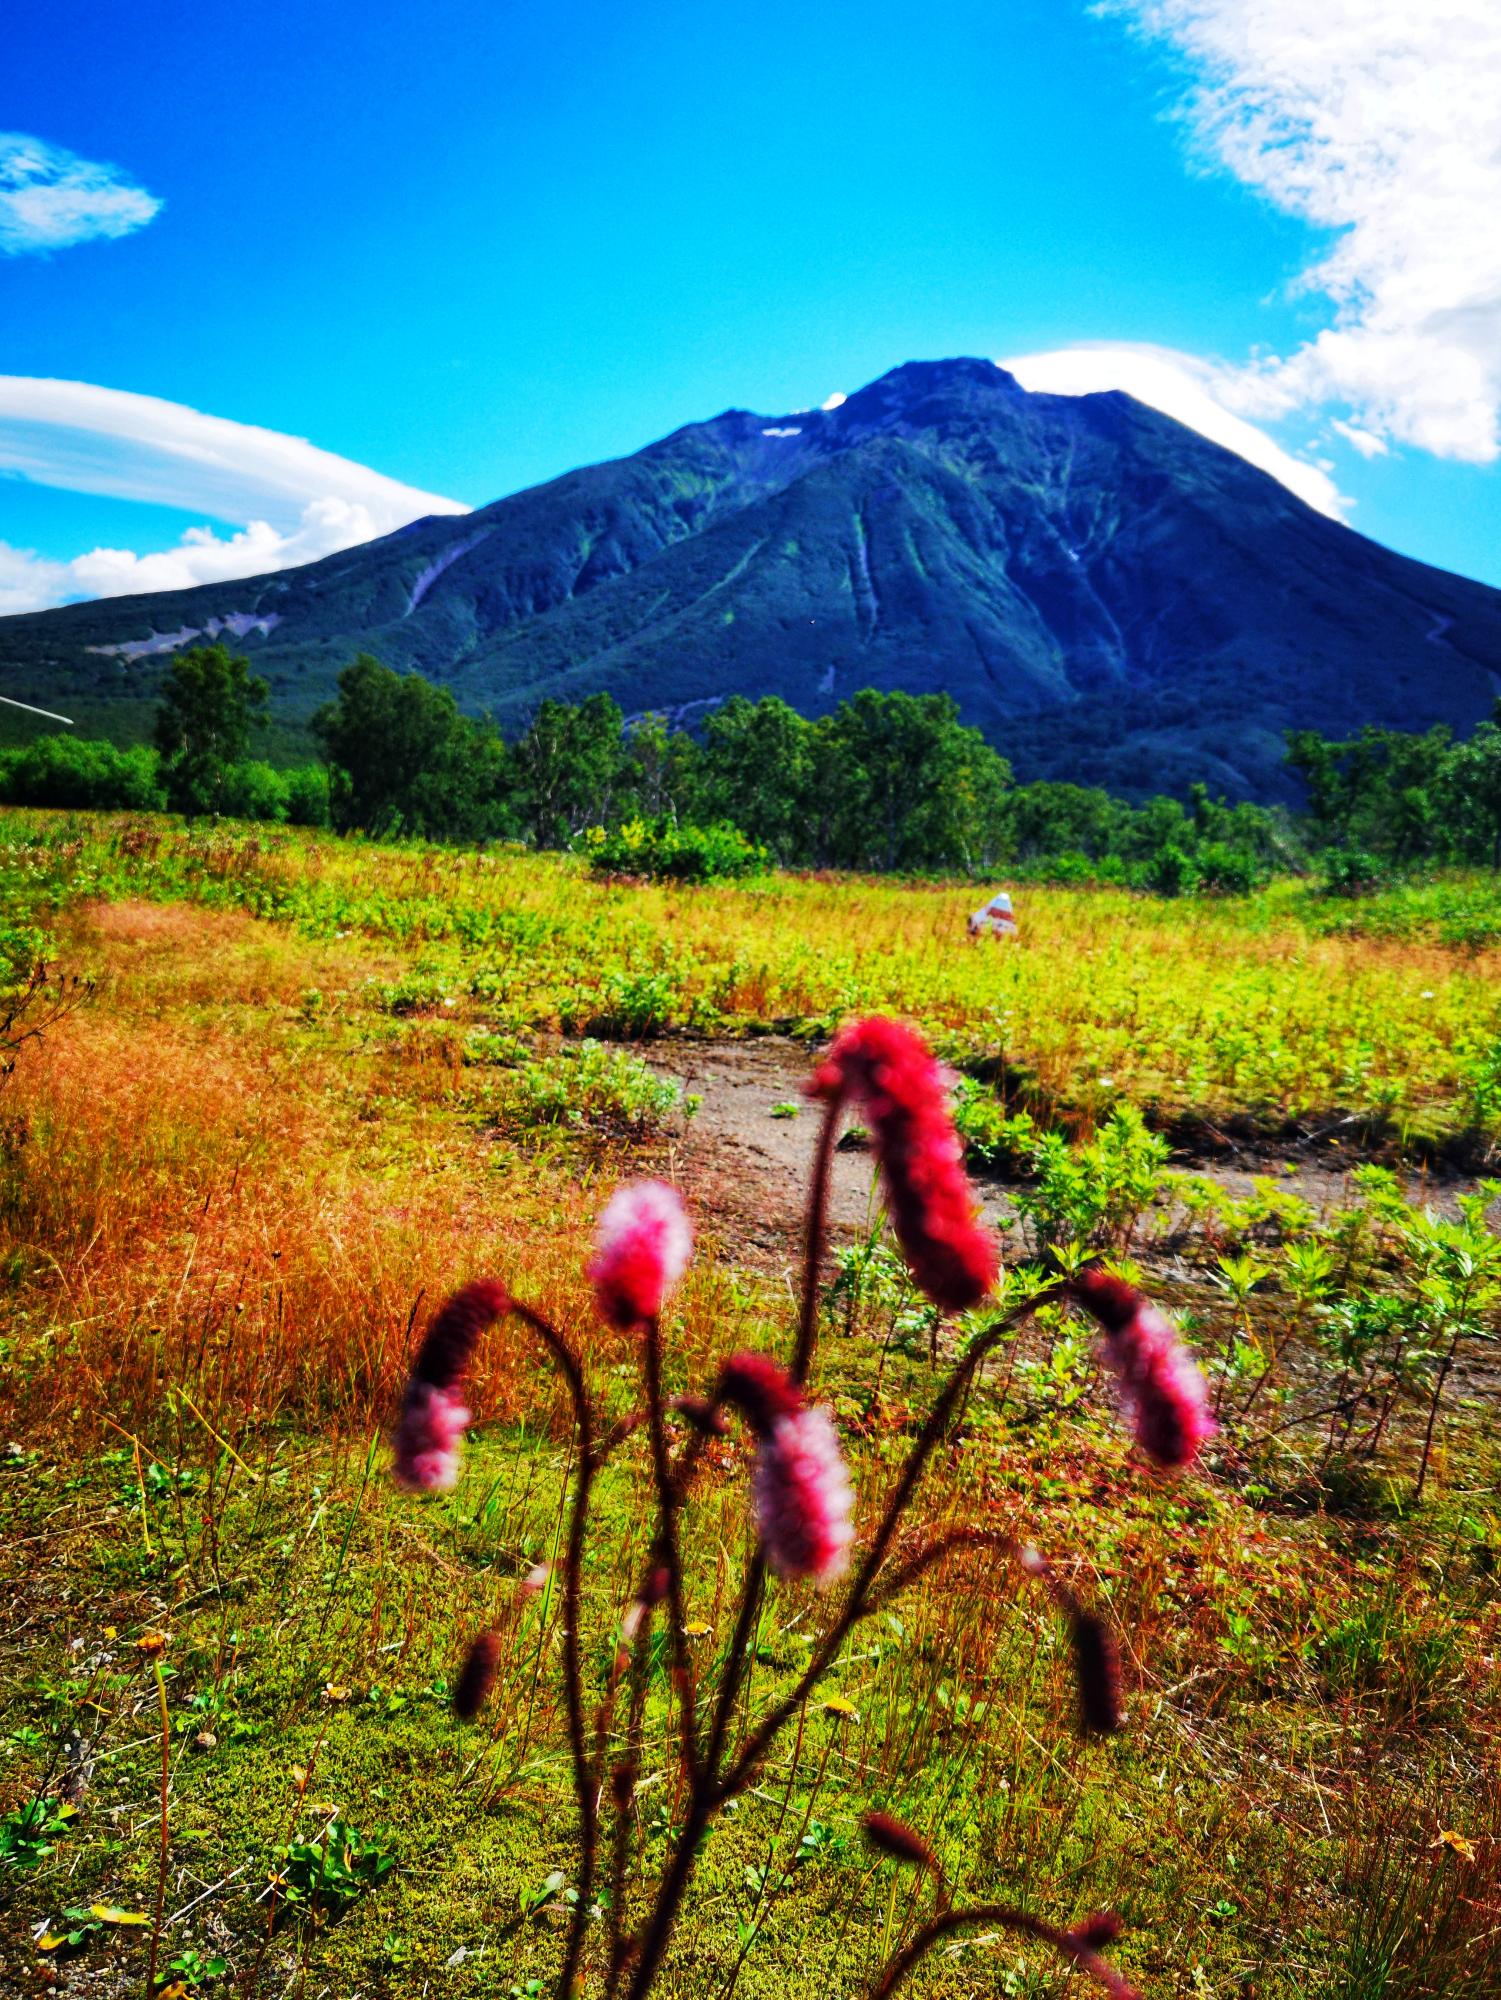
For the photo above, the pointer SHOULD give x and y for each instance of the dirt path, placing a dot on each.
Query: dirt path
(748, 1168)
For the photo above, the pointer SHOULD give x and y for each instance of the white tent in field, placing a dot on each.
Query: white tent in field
(996, 919)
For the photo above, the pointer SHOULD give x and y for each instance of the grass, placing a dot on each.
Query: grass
(315, 1086)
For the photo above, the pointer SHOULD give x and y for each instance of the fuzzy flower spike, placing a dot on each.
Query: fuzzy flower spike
(1164, 1393)
(641, 1249)
(890, 1071)
(433, 1413)
(803, 1500)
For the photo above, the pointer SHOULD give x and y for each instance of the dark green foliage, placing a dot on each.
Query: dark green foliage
(405, 761)
(210, 701)
(77, 773)
(1398, 798)
(888, 781)
(911, 787)
(335, 1870)
(569, 765)
(757, 765)
(29, 1832)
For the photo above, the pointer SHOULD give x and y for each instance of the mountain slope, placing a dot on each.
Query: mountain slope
(1108, 595)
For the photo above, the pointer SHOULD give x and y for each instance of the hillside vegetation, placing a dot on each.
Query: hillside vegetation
(1106, 595)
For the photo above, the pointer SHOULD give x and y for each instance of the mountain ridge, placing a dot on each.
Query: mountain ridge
(1110, 596)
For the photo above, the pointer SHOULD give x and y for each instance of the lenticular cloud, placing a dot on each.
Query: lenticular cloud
(1375, 119)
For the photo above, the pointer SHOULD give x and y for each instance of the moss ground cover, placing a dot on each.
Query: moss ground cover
(314, 1086)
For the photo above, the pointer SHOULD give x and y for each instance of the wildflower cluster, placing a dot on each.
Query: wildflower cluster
(801, 1497)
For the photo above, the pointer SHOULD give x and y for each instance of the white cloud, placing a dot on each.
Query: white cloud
(51, 199)
(1180, 386)
(293, 502)
(1376, 119)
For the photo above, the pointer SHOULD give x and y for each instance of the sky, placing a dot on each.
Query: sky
(275, 280)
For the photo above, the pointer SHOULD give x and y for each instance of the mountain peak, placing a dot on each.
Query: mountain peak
(1109, 596)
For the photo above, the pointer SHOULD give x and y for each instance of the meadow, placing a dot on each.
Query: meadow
(286, 1091)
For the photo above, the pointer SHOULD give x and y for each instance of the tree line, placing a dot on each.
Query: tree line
(886, 782)
(1391, 796)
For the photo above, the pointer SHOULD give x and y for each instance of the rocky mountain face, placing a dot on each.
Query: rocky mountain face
(1109, 596)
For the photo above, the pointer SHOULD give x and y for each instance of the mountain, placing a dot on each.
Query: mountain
(1108, 595)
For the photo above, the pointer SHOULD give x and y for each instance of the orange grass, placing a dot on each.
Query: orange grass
(204, 1195)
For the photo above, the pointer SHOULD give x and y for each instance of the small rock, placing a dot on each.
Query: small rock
(205, 1740)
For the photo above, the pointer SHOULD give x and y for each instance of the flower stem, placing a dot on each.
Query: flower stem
(161, 1868)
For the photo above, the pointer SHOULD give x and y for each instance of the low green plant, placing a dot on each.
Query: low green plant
(1096, 1192)
(665, 851)
(29, 1833)
(588, 1084)
(994, 1139)
(332, 1873)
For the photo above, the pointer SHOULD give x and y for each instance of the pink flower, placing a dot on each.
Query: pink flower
(803, 1500)
(760, 1389)
(1164, 1394)
(899, 1084)
(433, 1414)
(432, 1423)
(641, 1249)
(804, 1505)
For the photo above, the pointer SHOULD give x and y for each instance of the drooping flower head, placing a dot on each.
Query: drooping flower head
(893, 1837)
(641, 1249)
(434, 1416)
(890, 1071)
(1097, 1674)
(477, 1676)
(1164, 1393)
(801, 1490)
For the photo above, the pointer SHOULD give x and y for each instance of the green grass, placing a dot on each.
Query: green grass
(1280, 1011)
(236, 1178)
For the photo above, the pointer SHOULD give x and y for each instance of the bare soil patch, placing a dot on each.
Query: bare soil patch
(747, 1168)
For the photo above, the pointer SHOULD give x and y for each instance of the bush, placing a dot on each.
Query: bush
(1350, 871)
(307, 795)
(666, 851)
(1170, 872)
(252, 791)
(584, 1084)
(80, 774)
(1234, 871)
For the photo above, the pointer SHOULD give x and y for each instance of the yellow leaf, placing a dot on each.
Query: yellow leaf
(299, 1776)
(1456, 1843)
(107, 1913)
(837, 1705)
(109, 1632)
(332, 1693)
(65, 1812)
(697, 1630)
(50, 1940)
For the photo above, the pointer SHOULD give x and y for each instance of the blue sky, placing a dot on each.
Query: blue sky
(465, 247)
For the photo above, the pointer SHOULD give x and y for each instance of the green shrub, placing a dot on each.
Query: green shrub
(1350, 871)
(252, 791)
(80, 774)
(1234, 871)
(665, 851)
(307, 795)
(585, 1084)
